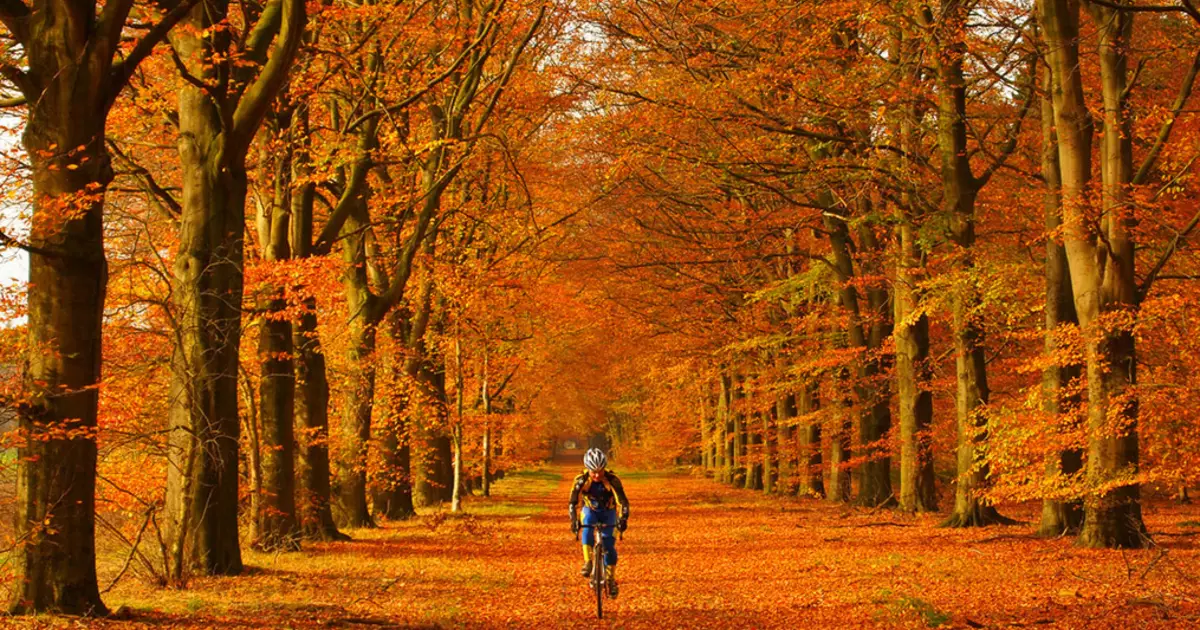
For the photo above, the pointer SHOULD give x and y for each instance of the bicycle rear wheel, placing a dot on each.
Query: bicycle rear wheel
(598, 561)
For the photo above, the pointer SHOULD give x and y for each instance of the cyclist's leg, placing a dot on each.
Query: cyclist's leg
(587, 518)
(608, 535)
(609, 539)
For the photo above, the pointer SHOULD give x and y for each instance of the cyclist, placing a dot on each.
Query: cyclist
(602, 494)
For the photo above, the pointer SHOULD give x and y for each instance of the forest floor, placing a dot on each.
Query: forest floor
(696, 555)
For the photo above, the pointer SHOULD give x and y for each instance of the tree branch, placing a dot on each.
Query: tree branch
(1164, 134)
(257, 98)
(123, 70)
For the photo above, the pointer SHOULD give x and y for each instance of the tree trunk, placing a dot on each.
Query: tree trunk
(737, 411)
(960, 189)
(457, 427)
(202, 479)
(867, 335)
(311, 407)
(1102, 274)
(356, 420)
(838, 487)
(1111, 518)
(811, 482)
(216, 128)
(911, 335)
(727, 443)
(393, 495)
(1058, 515)
(55, 562)
(785, 443)
(277, 527)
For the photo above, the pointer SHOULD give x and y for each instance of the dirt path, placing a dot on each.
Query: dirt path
(697, 555)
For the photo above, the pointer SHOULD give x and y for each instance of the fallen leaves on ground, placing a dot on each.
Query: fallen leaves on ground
(697, 555)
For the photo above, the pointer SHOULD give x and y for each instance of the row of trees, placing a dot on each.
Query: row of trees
(246, 217)
(947, 233)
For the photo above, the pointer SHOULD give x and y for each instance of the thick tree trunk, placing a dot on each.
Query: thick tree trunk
(216, 128)
(1059, 516)
(913, 372)
(202, 479)
(1102, 274)
(393, 495)
(911, 334)
(433, 471)
(1112, 518)
(55, 561)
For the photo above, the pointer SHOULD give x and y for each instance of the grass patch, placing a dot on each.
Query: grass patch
(900, 606)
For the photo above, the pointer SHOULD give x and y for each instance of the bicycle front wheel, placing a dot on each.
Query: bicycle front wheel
(598, 561)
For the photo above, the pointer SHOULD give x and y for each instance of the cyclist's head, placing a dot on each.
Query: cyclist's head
(594, 460)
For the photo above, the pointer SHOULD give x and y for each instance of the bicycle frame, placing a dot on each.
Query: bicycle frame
(599, 578)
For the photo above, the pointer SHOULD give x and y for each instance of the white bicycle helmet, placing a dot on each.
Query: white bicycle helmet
(594, 459)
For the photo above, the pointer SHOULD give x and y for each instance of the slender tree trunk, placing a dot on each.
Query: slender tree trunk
(457, 428)
(277, 527)
(838, 487)
(911, 335)
(356, 422)
(253, 449)
(486, 478)
(785, 443)
(311, 407)
(960, 189)
(393, 497)
(727, 443)
(811, 481)
(737, 411)
(1058, 516)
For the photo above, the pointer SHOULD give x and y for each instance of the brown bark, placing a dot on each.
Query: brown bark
(811, 481)
(786, 447)
(1101, 260)
(960, 189)
(77, 65)
(867, 333)
(55, 562)
(216, 130)
(725, 427)
(911, 334)
(838, 487)
(393, 495)
(311, 406)
(1058, 516)
(277, 527)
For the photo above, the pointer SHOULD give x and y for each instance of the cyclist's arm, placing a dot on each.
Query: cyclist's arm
(574, 502)
(619, 490)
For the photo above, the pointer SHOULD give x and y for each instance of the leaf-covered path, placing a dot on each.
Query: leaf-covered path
(697, 555)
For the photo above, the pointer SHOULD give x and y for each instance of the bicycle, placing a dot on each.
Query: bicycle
(598, 581)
